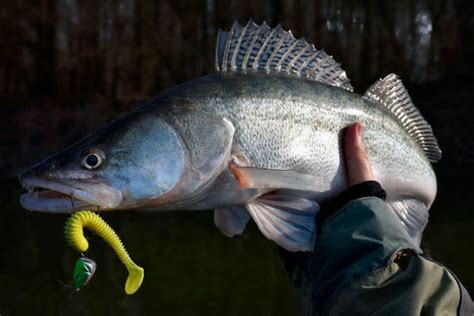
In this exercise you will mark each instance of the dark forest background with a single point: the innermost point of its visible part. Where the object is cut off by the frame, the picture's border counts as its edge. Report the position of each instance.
(69, 66)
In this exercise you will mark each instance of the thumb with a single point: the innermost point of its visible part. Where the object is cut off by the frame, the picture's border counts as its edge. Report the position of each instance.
(358, 167)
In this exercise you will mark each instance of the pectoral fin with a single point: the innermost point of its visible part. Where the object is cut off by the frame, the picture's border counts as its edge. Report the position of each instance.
(260, 178)
(287, 220)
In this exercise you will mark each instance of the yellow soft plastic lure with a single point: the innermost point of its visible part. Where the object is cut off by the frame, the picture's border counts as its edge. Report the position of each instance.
(73, 230)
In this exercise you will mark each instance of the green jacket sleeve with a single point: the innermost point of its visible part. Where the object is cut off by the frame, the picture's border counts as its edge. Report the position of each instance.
(365, 263)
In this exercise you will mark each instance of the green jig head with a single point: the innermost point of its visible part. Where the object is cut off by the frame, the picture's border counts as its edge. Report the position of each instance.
(83, 272)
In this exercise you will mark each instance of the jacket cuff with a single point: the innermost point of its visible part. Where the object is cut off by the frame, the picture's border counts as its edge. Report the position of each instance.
(357, 191)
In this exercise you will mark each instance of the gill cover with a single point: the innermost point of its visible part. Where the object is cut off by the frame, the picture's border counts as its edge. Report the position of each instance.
(208, 142)
(146, 159)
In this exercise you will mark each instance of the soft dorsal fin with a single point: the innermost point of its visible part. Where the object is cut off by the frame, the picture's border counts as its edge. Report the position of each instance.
(392, 94)
(273, 50)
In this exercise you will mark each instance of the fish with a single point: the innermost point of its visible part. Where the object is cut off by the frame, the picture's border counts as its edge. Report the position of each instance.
(258, 139)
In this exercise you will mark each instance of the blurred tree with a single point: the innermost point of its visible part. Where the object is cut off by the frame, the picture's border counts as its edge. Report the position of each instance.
(111, 54)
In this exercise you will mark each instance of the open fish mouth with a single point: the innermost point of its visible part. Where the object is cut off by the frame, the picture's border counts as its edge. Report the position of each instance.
(66, 195)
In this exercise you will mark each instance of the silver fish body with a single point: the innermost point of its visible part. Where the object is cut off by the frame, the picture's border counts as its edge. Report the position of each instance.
(260, 139)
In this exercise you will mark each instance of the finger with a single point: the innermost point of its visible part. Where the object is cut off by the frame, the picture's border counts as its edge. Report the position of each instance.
(358, 167)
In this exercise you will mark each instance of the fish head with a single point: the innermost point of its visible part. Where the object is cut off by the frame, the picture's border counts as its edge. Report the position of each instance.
(132, 160)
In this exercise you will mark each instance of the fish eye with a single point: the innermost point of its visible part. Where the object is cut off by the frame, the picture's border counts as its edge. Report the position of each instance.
(93, 160)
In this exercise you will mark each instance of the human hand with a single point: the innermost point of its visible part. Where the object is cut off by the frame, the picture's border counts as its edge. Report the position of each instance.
(358, 167)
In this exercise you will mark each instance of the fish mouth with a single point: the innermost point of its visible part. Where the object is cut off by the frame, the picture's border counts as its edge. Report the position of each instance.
(51, 195)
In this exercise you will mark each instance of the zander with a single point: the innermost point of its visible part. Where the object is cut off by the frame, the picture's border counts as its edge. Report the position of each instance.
(260, 138)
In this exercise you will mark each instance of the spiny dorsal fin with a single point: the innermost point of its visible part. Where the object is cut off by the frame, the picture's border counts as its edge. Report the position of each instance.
(391, 93)
(273, 50)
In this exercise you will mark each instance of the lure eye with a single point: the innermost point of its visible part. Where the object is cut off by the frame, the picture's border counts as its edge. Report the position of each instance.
(93, 160)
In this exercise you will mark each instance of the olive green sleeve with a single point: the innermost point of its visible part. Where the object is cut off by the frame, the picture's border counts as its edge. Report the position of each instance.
(365, 263)
(421, 287)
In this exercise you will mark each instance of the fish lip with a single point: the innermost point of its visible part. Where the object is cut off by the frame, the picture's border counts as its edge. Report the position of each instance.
(81, 194)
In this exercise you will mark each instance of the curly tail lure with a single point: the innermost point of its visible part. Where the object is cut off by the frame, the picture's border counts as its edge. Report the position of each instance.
(74, 234)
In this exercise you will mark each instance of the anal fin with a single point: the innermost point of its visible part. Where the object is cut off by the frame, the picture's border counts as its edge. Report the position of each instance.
(287, 220)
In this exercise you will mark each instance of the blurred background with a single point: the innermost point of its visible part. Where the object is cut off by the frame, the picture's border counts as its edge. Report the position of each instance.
(69, 66)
